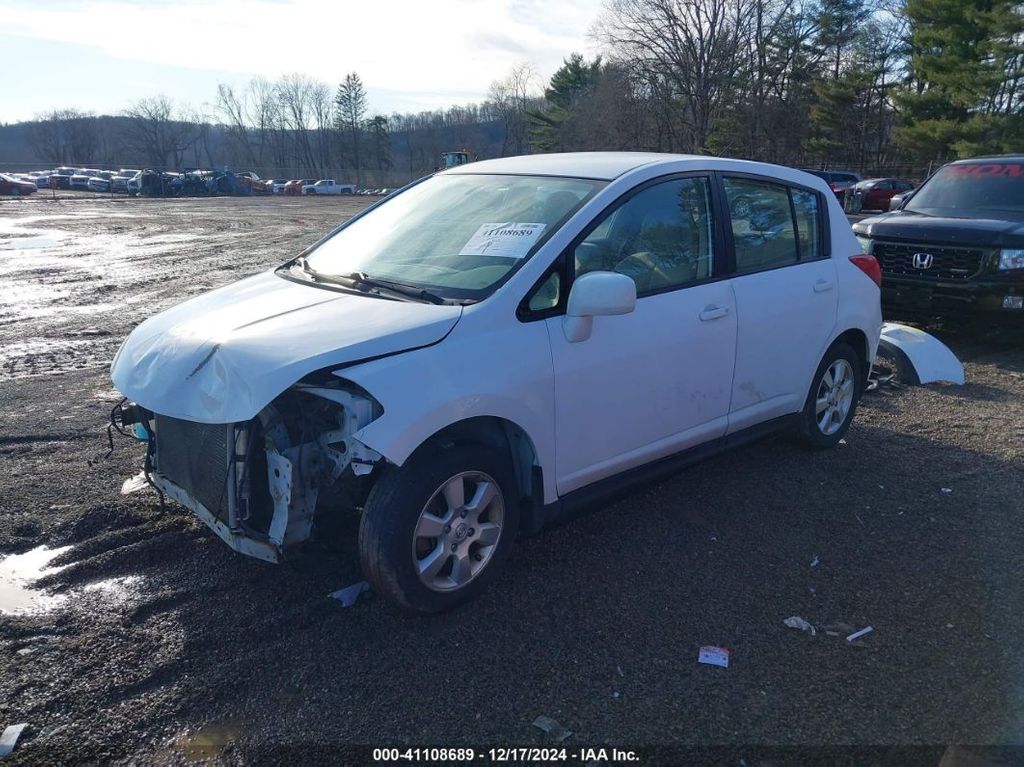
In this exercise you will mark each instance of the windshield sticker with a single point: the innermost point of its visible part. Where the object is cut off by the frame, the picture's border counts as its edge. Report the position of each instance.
(508, 239)
(1008, 169)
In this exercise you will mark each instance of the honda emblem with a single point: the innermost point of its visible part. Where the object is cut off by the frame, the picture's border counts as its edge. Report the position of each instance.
(923, 260)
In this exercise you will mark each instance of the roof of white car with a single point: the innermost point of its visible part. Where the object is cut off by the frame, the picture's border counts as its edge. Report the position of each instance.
(610, 165)
(602, 165)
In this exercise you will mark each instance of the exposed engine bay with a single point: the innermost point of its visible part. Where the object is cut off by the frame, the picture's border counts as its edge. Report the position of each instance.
(257, 484)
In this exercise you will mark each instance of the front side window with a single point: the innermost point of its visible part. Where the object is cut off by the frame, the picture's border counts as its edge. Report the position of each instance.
(661, 237)
(458, 236)
(762, 225)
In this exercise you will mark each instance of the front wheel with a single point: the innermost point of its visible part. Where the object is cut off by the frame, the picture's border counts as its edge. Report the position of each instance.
(436, 531)
(832, 400)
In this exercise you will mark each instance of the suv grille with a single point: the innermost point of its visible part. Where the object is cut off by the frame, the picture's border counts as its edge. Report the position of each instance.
(194, 456)
(948, 263)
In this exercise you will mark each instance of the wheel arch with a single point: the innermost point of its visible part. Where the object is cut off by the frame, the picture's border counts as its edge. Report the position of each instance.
(502, 434)
(857, 339)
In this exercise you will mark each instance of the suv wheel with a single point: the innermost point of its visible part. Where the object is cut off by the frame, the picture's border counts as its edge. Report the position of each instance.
(832, 399)
(437, 530)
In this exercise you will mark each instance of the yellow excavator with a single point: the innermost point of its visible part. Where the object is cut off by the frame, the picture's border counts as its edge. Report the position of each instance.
(454, 159)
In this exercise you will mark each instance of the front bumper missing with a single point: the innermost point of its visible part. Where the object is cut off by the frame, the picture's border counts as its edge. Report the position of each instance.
(242, 541)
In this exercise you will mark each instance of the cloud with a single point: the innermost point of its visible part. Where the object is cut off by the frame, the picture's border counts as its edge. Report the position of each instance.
(430, 48)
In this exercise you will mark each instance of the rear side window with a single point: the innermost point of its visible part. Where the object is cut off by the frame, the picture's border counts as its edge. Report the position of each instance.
(763, 233)
(808, 223)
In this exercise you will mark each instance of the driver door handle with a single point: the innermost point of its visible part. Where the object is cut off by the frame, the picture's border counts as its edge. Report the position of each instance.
(822, 285)
(713, 312)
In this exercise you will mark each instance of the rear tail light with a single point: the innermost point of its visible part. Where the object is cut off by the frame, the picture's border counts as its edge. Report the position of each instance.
(868, 265)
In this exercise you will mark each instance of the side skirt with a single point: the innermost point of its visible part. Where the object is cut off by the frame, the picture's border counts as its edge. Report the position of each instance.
(611, 489)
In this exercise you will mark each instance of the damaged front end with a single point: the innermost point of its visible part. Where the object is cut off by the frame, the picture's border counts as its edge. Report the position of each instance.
(258, 484)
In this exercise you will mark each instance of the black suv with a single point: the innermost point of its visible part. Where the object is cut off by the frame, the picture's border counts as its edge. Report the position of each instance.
(956, 244)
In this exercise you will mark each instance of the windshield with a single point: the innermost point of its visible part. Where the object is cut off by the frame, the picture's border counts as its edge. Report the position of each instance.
(964, 190)
(458, 236)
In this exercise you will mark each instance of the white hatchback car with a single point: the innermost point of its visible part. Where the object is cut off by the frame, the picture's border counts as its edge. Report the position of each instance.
(494, 346)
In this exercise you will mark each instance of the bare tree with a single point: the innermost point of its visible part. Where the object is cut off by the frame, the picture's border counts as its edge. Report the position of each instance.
(66, 136)
(511, 98)
(162, 132)
(691, 46)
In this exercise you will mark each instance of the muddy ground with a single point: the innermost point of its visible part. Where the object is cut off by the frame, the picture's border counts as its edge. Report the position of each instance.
(168, 646)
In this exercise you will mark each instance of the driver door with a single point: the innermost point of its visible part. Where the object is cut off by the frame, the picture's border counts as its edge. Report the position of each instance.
(650, 383)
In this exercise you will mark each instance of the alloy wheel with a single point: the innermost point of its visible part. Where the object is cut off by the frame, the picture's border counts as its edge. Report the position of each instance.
(458, 531)
(834, 398)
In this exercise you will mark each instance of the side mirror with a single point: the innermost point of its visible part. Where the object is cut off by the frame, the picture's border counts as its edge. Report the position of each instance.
(596, 294)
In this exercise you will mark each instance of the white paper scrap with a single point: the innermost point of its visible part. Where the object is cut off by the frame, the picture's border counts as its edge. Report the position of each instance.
(10, 738)
(859, 634)
(713, 656)
(508, 239)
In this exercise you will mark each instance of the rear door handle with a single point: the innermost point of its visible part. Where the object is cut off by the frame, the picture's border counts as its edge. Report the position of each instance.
(713, 312)
(822, 285)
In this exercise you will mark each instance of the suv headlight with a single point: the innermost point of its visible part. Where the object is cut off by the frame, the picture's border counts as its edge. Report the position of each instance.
(1011, 259)
(865, 243)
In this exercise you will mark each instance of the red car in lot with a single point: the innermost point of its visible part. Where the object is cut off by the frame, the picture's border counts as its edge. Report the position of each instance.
(14, 187)
(295, 186)
(876, 193)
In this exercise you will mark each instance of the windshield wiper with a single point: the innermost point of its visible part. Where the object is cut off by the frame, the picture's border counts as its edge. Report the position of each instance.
(361, 278)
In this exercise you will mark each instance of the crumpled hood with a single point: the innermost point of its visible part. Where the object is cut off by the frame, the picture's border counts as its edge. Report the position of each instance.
(225, 355)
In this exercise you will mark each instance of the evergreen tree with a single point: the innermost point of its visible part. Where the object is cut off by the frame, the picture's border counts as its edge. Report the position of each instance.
(349, 111)
(963, 93)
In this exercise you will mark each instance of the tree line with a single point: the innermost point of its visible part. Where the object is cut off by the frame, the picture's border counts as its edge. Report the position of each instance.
(871, 85)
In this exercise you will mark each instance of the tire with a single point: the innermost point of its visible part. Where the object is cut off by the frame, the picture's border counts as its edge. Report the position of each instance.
(418, 571)
(829, 410)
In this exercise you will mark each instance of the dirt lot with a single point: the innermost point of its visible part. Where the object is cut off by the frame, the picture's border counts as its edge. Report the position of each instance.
(167, 646)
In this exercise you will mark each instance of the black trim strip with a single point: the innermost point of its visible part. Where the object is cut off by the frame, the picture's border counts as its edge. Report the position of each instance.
(613, 488)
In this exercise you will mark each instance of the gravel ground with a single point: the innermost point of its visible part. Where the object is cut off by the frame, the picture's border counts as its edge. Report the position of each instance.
(168, 646)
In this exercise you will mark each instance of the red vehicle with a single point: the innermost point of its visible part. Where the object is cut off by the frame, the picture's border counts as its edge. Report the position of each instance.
(251, 182)
(295, 186)
(877, 192)
(13, 187)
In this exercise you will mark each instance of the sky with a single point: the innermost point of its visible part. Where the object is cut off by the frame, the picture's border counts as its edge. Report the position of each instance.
(101, 55)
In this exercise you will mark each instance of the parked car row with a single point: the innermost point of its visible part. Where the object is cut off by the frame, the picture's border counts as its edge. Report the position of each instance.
(858, 194)
(172, 184)
(89, 179)
(327, 186)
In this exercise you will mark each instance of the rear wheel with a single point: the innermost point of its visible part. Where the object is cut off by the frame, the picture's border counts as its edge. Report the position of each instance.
(832, 400)
(436, 531)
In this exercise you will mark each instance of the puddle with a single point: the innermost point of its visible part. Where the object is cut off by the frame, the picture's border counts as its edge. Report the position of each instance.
(208, 742)
(17, 574)
(32, 242)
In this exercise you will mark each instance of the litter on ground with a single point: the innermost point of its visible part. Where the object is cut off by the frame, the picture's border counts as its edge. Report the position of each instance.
(349, 595)
(134, 484)
(713, 656)
(815, 562)
(859, 634)
(10, 738)
(554, 730)
(796, 622)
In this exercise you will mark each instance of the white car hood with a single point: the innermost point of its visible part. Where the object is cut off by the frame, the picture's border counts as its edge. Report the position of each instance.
(224, 356)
